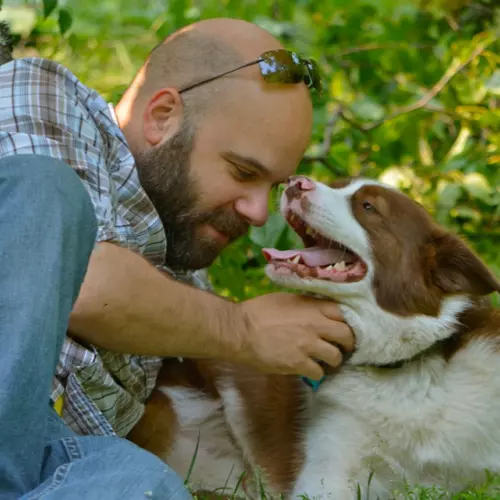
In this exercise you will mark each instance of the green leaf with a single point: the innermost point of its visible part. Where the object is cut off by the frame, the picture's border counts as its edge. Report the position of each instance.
(293, 240)
(178, 9)
(464, 212)
(448, 194)
(269, 234)
(65, 20)
(478, 187)
(399, 177)
(492, 85)
(367, 109)
(48, 7)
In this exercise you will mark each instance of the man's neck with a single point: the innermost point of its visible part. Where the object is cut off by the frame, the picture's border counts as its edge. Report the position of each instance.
(130, 124)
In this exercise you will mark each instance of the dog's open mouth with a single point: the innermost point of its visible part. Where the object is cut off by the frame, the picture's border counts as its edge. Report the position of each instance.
(322, 258)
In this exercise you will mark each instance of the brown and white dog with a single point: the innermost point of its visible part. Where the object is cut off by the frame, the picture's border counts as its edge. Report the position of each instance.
(419, 399)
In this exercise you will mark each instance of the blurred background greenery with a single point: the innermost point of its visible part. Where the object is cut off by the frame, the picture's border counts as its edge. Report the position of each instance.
(412, 94)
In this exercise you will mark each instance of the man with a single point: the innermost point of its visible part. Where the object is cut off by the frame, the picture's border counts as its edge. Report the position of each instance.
(180, 169)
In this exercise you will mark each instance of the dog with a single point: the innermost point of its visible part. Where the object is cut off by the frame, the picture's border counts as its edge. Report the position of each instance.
(416, 403)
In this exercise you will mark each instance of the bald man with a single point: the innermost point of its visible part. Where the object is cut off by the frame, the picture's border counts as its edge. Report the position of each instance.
(108, 218)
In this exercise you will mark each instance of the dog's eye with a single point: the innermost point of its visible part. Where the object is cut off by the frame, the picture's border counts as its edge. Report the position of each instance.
(368, 206)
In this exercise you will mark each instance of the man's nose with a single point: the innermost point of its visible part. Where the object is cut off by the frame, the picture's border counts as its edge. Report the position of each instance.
(253, 209)
(297, 185)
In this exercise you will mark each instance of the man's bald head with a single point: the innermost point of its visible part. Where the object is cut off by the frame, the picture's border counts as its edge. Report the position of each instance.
(201, 51)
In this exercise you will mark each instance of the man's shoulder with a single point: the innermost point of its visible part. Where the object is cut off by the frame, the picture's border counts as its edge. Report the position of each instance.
(47, 77)
(37, 66)
(33, 81)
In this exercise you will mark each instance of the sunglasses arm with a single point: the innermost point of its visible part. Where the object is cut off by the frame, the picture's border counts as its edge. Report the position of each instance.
(208, 80)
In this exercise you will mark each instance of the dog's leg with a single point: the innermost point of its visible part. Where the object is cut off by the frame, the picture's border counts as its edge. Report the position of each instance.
(336, 446)
(266, 417)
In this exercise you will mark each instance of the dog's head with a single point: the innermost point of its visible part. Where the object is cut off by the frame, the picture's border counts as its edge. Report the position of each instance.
(377, 252)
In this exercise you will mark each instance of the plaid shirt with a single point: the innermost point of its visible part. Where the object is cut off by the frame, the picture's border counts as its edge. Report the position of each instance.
(46, 110)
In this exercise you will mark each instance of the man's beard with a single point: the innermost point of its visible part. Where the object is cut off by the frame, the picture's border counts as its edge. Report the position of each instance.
(164, 173)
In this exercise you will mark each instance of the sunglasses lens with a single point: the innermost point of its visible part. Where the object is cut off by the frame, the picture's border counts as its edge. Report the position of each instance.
(281, 66)
(314, 75)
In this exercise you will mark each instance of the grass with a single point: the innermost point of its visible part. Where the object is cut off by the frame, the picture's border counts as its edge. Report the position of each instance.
(490, 490)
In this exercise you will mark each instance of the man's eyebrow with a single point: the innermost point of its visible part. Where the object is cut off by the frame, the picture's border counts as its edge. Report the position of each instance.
(248, 161)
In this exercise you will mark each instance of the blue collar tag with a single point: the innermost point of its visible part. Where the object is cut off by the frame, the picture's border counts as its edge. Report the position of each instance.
(313, 384)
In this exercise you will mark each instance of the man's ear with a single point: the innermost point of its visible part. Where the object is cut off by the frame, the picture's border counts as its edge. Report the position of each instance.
(163, 116)
(458, 270)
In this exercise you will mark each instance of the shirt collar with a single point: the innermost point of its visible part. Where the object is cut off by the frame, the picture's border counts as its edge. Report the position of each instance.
(113, 114)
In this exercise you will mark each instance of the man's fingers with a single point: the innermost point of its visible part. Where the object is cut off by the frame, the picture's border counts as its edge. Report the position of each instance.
(312, 370)
(339, 333)
(328, 353)
(332, 311)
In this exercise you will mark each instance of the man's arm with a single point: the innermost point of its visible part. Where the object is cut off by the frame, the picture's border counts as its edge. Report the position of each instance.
(127, 305)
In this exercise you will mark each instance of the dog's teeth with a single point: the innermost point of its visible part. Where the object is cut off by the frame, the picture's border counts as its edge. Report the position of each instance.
(340, 266)
(296, 259)
(310, 231)
(329, 268)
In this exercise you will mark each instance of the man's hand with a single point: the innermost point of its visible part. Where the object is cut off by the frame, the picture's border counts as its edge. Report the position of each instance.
(289, 334)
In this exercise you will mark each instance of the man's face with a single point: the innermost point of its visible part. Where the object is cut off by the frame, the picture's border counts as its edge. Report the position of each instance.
(166, 175)
(209, 185)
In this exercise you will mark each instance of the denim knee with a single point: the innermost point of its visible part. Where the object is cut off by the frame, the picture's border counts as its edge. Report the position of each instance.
(106, 467)
(165, 482)
(46, 182)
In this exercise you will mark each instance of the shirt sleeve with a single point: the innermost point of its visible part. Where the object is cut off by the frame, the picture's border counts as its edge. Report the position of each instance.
(45, 110)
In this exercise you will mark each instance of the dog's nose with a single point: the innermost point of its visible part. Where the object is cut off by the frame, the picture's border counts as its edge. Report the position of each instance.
(297, 185)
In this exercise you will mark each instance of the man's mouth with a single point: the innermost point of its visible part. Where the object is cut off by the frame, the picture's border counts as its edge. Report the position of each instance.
(217, 235)
(322, 258)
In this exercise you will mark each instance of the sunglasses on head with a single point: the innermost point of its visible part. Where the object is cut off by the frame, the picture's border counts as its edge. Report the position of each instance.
(278, 66)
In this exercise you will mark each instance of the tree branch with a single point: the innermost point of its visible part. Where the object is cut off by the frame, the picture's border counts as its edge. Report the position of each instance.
(328, 133)
(324, 149)
(455, 67)
(381, 46)
(339, 112)
(326, 144)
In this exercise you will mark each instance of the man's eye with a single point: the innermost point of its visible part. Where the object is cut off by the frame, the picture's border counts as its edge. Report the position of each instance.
(244, 174)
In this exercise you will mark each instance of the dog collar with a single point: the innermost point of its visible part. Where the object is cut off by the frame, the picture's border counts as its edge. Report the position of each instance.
(313, 384)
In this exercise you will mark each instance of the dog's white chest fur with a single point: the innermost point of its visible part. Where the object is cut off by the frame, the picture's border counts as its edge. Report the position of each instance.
(431, 422)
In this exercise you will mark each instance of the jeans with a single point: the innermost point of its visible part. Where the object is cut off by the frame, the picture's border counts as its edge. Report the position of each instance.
(47, 233)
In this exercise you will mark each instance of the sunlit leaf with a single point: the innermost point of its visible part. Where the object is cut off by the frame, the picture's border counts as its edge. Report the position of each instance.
(478, 186)
(448, 193)
(492, 85)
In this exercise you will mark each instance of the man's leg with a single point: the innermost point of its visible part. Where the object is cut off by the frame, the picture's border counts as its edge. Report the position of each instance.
(47, 232)
(98, 468)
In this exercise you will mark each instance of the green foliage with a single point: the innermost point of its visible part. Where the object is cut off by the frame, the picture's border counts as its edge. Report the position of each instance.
(411, 96)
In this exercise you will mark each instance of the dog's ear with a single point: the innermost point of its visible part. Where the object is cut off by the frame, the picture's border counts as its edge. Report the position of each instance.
(457, 269)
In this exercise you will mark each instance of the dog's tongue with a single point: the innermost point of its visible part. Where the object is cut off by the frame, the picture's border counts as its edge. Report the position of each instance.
(312, 256)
